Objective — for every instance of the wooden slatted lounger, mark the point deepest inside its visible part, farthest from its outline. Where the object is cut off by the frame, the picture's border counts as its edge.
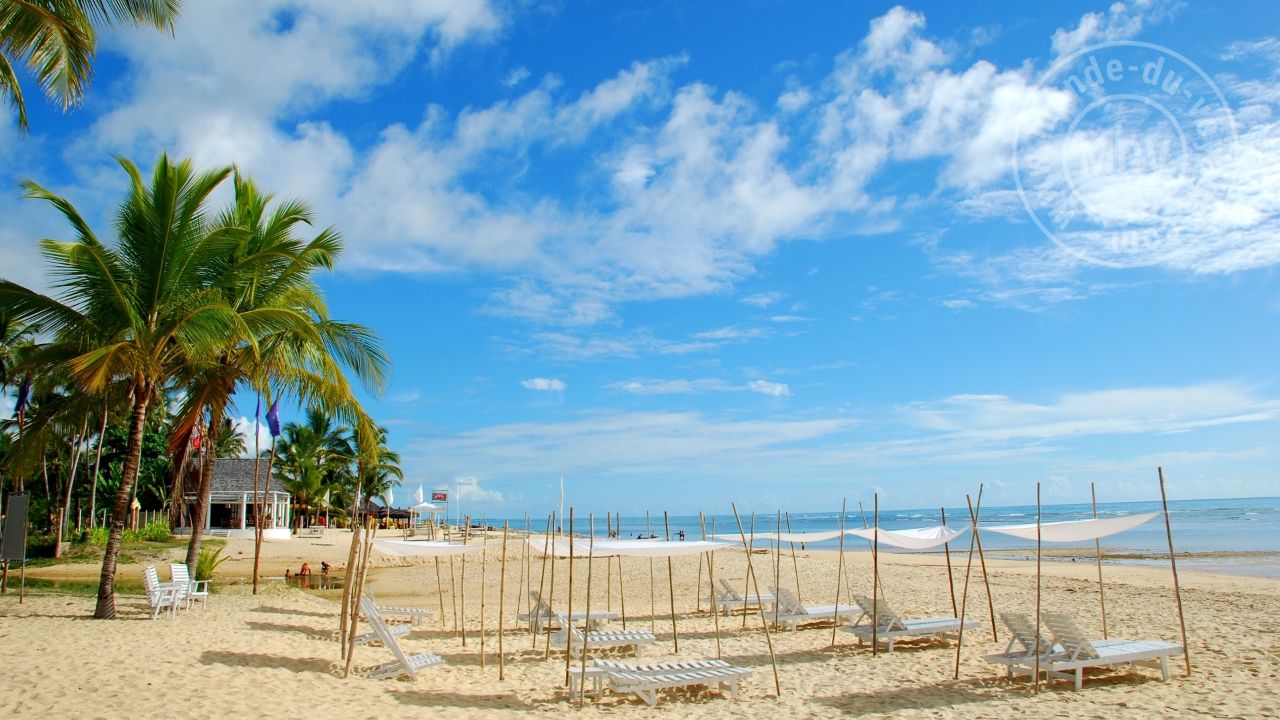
(403, 664)
(891, 628)
(1080, 653)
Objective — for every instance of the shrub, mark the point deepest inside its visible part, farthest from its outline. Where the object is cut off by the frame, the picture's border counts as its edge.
(208, 561)
(155, 531)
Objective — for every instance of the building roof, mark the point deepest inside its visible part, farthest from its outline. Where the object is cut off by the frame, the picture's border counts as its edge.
(235, 475)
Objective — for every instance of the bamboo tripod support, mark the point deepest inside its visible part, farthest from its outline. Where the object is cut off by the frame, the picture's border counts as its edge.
(1097, 549)
(1173, 565)
(502, 601)
(671, 588)
(764, 624)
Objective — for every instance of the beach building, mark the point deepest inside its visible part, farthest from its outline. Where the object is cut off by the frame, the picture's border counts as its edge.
(231, 505)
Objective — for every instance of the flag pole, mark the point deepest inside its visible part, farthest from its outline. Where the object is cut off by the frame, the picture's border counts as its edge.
(1173, 564)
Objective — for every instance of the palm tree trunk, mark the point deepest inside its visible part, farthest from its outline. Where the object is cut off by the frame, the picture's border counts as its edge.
(106, 608)
(176, 487)
(71, 482)
(201, 509)
(97, 464)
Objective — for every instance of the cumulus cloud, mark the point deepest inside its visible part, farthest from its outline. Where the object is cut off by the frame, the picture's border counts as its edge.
(468, 488)
(1122, 20)
(244, 428)
(543, 384)
(766, 387)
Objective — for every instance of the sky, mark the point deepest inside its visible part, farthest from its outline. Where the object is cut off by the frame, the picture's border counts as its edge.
(775, 253)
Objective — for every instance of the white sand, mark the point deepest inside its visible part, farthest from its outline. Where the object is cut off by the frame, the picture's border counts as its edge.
(274, 655)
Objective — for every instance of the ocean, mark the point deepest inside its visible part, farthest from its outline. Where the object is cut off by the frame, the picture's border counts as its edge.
(1238, 535)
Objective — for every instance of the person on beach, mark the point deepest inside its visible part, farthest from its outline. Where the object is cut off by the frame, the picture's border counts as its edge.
(305, 570)
(324, 568)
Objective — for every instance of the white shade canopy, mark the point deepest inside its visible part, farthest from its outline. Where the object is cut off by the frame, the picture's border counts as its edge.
(801, 537)
(628, 548)
(428, 507)
(911, 539)
(1073, 530)
(423, 548)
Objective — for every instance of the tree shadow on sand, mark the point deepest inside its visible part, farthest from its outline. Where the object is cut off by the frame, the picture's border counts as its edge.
(288, 611)
(922, 697)
(307, 630)
(265, 660)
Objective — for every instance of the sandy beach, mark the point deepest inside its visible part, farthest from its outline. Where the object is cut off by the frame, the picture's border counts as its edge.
(274, 655)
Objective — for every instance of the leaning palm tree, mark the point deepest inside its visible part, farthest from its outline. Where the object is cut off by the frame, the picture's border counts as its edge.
(57, 39)
(295, 349)
(137, 310)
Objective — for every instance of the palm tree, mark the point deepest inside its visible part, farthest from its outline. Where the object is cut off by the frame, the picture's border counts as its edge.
(380, 469)
(294, 348)
(57, 39)
(138, 310)
(230, 442)
(314, 460)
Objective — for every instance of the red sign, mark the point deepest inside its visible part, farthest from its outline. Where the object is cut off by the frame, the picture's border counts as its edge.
(439, 497)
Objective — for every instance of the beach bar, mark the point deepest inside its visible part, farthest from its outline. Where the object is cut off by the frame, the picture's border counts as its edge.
(231, 505)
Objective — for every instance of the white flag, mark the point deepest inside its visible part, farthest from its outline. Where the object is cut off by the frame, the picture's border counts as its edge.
(389, 497)
(417, 496)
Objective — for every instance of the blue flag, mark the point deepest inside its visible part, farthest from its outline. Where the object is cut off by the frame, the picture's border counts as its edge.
(24, 394)
(257, 411)
(273, 418)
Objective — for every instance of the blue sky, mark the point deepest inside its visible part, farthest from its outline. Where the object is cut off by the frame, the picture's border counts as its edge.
(766, 252)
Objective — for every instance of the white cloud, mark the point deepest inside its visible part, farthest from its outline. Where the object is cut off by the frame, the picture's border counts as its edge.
(766, 387)
(468, 488)
(762, 299)
(1122, 20)
(543, 384)
(516, 76)
(244, 428)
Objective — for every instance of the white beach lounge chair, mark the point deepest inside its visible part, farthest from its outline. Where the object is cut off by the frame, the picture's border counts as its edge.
(414, 614)
(889, 628)
(542, 616)
(1078, 652)
(728, 599)
(372, 637)
(192, 590)
(160, 596)
(403, 664)
(574, 640)
(790, 613)
(719, 672)
(1019, 656)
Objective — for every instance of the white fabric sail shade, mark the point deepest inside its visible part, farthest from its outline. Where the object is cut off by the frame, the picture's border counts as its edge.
(912, 539)
(1073, 530)
(423, 548)
(626, 548)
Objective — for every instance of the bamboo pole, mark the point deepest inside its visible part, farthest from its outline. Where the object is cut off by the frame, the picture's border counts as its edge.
(568, 632)
(975, 518)
(653, 605)
(946, 549)
(777, 564)
(520, 598)
(867, 526)
(1173, 564)
(586, 638)
(746, 583)
(1037, 641)
(608, 564)
(439, 591)
(1097, 549)
(622, 595)
(535, 613)
(502, 603)
(348, 582)
(711, 581)
(875, 574)
(795, 565)
(764, 624)
(484, 565)
(671, 588)
(453, 596)
(844, 506)
(964, 596)
(356, 592)
(462, 580)
(551, 592)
